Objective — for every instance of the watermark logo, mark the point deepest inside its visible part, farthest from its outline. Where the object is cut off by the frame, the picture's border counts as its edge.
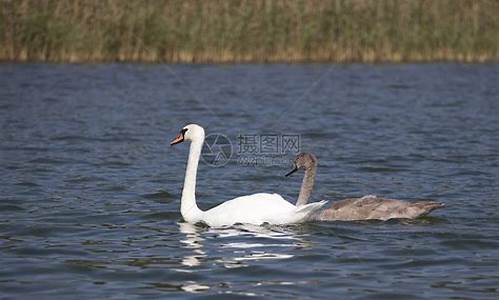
(217, 150)
(262, 150)
(267, 149)
(269, 144)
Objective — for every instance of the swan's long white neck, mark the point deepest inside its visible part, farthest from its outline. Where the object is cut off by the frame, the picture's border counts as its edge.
(189, 210)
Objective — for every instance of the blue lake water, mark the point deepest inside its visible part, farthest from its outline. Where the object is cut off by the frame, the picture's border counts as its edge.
(90, 189)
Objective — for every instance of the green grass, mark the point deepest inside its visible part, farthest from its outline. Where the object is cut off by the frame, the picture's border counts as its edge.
(249, 31)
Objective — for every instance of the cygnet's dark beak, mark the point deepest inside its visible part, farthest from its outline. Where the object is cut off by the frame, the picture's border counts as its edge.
(295, 169)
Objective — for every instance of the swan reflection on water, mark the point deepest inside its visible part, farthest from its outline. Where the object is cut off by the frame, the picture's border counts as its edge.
(258, 243)
(193, 241)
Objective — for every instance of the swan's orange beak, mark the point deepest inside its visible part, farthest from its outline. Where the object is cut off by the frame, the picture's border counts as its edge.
(179, 138)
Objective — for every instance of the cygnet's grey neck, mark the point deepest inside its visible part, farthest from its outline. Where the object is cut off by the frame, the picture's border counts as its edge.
(307, 185)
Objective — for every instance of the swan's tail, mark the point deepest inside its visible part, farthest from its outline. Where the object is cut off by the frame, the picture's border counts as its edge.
(307, 211)
(425, 207)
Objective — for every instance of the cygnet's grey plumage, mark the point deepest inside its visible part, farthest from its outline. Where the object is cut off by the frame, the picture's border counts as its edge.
(376, 208)
(365, 208)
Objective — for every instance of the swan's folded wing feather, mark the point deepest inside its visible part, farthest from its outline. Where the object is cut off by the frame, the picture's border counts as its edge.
(254, 209)
(314, 206)
(308, 211)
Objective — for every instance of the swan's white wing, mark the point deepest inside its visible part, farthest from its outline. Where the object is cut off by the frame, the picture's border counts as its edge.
(252, 209)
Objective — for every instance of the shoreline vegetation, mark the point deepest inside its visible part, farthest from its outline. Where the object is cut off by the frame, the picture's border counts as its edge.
(261, 31)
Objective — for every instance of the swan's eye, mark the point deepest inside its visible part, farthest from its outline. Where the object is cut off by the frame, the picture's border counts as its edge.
(183, 131)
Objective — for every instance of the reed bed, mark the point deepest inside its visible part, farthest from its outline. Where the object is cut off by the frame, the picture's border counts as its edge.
(196, 31)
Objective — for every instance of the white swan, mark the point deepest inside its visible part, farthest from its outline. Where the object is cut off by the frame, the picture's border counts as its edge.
(253, 209)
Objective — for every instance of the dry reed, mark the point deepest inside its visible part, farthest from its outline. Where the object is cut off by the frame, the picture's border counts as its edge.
(196, 31)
